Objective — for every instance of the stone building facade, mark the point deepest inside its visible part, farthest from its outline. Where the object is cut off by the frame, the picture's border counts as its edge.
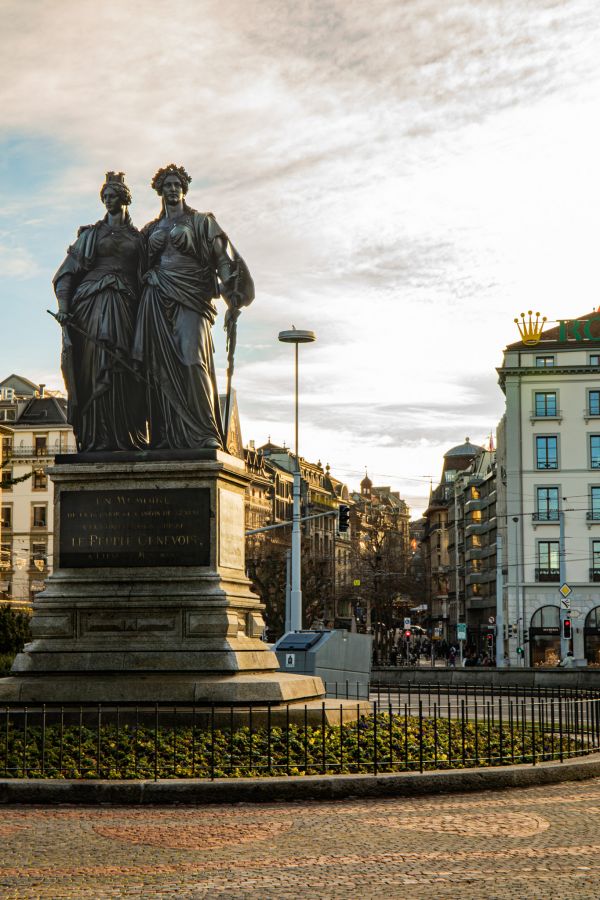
(31, 439)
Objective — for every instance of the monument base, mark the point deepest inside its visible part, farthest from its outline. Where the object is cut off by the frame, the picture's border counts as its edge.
(149, 600)
(228, 701)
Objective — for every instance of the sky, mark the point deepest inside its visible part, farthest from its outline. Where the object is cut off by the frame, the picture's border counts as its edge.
(403, 177)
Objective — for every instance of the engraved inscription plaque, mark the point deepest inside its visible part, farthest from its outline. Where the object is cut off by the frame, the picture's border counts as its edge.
(160, 527)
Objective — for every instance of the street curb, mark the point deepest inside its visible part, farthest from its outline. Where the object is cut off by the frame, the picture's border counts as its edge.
(293, 789)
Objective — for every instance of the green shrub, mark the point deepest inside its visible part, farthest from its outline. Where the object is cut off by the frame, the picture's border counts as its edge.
(68, 751)
(6, 661)
(15, 629)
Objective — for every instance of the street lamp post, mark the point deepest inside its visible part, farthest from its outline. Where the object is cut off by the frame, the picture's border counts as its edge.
(294, 618)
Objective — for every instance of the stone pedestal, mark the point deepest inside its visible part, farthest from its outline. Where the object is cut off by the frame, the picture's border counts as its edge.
(149, 599)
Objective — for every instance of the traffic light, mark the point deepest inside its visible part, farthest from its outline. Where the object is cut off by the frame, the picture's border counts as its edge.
(407, 633)
(490, 640)
(567, 629)
(343, 518)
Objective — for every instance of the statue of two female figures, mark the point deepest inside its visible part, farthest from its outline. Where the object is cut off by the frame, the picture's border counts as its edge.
(147, 298)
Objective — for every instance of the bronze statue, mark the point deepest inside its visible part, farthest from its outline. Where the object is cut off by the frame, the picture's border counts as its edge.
(188, 267)
(97, 288)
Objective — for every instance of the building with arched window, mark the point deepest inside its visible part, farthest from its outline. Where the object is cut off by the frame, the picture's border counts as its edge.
(548, 487)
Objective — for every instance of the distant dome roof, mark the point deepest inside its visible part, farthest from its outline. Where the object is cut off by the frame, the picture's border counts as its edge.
(466, 449)
(366, 482)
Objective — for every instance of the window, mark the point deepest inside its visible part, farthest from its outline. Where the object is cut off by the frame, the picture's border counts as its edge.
(6, 447)
(547, 504)
(546, 452)
(595, 504)
(545, 403)
(594, 403)
(40, 480)
(594, 359)
(5, 555)
(39, 516)
(41, 446)
(548, 561)
(595, 451)
(39, 551)
(7, 517)
(544, 362)
(595, 570)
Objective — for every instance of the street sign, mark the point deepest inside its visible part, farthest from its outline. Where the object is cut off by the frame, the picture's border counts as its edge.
(575, 613)
(566, 602)
(407, 621)
(492, 620)
(461, 631)
(564, 590)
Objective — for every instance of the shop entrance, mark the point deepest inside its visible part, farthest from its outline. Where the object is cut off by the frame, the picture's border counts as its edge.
(544, 637)
(591, 637)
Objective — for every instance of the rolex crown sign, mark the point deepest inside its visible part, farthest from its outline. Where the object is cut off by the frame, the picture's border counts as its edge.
(530, 329)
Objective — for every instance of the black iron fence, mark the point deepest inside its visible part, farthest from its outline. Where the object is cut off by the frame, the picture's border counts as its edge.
(426, 728)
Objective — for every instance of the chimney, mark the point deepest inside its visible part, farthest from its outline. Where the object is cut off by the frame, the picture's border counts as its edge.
(42, 386)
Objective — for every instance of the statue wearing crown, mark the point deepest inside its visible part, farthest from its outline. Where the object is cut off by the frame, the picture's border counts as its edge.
(98, 289)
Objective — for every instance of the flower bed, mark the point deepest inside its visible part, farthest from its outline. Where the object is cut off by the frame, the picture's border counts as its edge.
(375, 744)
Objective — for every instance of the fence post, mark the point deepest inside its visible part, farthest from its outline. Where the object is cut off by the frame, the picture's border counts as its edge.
(420, 735)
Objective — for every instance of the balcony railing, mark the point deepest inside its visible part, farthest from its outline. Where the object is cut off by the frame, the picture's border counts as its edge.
(547, 574)
(548, 515)
(47, 452)
(545, 414)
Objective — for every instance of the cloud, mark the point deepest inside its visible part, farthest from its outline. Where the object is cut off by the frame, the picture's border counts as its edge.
(401, 177)
(16, 262)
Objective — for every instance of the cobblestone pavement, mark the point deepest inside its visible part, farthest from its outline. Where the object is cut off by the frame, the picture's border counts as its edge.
(541, 842)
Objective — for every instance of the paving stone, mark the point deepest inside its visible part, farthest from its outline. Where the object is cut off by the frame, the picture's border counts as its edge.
(528, 843)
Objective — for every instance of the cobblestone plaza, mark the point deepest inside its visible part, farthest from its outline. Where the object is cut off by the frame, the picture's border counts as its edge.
(528, 843)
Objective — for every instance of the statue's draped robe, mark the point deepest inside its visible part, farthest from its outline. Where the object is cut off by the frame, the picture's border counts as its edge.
(100, 282)
(173, 339)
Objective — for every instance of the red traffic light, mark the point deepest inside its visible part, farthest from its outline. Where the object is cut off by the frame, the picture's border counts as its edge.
(407, 632)
(567, 629)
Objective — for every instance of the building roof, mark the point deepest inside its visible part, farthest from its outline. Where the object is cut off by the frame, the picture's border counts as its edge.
(552, 335)
(21, 385)
(466, 449)
(42, 412)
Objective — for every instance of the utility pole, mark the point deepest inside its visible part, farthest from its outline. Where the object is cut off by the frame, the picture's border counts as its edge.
(288, 591)
(456, 566)
(499, 604)
(296, 337)
(521, 655)
(562, 563)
